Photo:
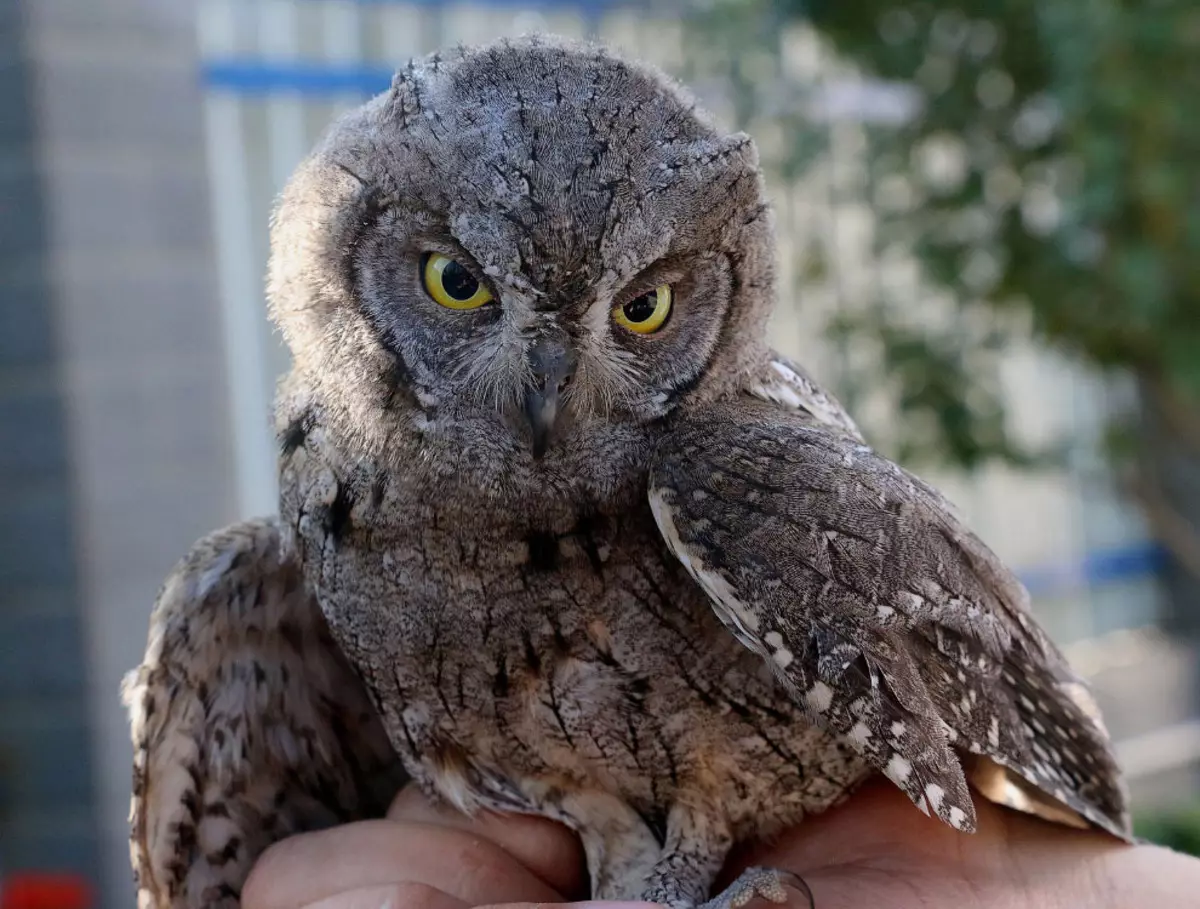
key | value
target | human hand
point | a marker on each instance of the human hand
(875, 850)
(423, 857)
(878, 850)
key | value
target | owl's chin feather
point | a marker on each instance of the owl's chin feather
(483, 465)
(580, 470)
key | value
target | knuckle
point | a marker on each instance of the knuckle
(272, 867)
(410, 802)
(415, 895)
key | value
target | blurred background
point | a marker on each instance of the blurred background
(989, 229)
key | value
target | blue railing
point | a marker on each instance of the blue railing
(253, 77)
(1096, 568)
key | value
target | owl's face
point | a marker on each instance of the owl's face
(511, 269)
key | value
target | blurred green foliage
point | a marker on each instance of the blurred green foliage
(1075, 120)
(1048, 183)
(1178, 830)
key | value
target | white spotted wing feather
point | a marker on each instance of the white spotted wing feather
(892, 624)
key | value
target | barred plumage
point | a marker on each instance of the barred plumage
(248, 724)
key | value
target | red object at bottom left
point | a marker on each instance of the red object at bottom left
(44, 890)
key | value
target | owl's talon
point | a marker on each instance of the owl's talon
(769, 883)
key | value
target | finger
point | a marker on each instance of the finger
(417, 896)
(548, 850)
(390, 896)
(878, 821)
(314, 866)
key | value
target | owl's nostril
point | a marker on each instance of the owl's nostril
(563, 383)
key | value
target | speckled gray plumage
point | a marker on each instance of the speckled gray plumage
(708, 611)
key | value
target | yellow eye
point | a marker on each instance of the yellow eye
(648, 313)
(451, 285)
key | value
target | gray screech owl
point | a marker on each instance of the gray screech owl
(559, 533)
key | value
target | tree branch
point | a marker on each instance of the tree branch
(1181, 419)
(1170, 528)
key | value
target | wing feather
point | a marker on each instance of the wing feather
(247, 723)
(892, 623)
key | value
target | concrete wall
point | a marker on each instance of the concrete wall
(120, 435)
(47, 805)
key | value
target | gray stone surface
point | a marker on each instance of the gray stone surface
(116, 451)
(35, 447)
(47, 817)
(55, 841)
(35, 527)
(21, 229)
(41, 660)
(26, 332)
(49, 727)
(113, 210)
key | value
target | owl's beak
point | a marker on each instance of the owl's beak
(552, 365)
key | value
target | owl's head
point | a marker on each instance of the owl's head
(510, 270)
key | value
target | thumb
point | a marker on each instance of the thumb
(548, 850)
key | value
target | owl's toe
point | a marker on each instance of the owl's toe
(769, 883)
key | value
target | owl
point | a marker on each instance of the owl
(560, 534)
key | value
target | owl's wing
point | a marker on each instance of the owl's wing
(890, 622)
(248, 724)
(786, 383)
